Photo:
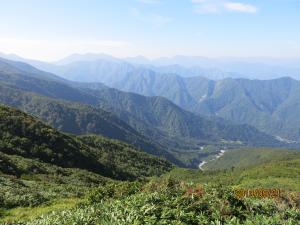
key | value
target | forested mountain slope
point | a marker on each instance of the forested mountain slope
(25, 136)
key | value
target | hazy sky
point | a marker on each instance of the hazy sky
(52, 29)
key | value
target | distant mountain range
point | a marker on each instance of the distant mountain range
(74, 66)
(272, 106)
(154, 124)
(219, 68)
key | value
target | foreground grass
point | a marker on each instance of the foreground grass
(181, 196)
(166, 201)
(163, 200)
(29, 213)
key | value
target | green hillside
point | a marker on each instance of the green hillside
(172, 202)
(249, 168)
(242, 158)
(27, 137)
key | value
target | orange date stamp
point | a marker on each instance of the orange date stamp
(257, 193)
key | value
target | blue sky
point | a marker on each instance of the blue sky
(52, 29)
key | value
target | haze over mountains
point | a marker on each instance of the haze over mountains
(185, 66)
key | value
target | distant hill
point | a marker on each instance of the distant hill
(185, 66)
(250, 68)
(19, 67)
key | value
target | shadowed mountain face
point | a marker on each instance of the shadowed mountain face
(143, 121)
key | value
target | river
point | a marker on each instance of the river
(220, 154)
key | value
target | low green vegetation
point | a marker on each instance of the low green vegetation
(249, 168)
(11, 216)
(167, 201)
(247, 157)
